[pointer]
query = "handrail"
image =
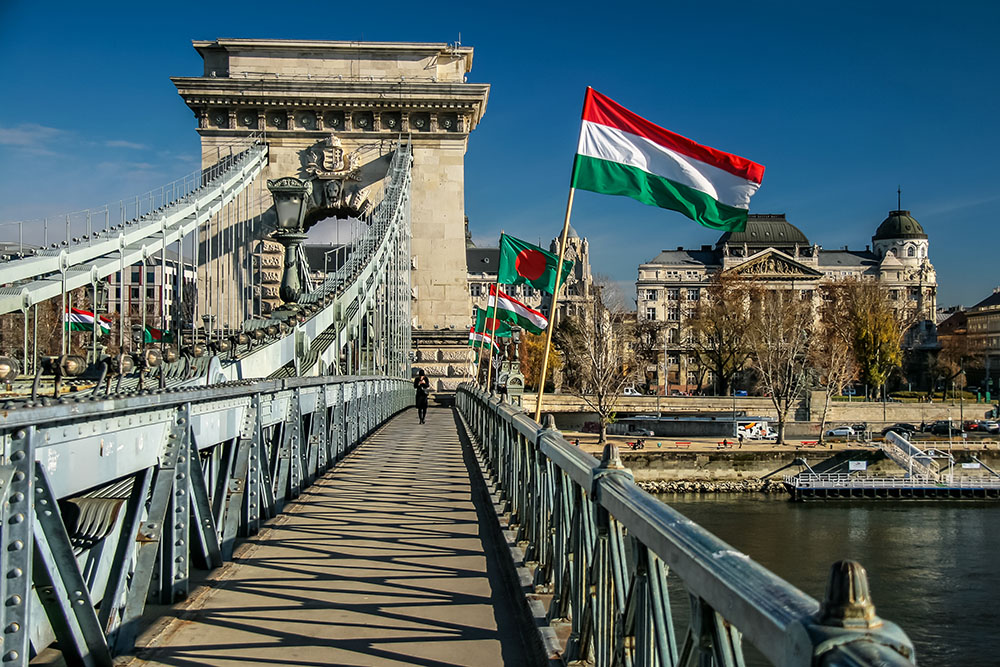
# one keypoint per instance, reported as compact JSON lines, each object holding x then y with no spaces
{"x":603,"y":549}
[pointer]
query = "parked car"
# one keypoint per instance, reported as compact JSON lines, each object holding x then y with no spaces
{"x":740,"y":392}
{"x":989,"y":426}
{"x":944,"y":427}
{"x":903,"y":429}
{"x":638,"y":432}
{"x":840,"y":432}
{"x":631,"y":391}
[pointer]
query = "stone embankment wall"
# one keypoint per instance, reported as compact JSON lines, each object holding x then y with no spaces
{"x":571,"y":412}
{"x":739,"y":470}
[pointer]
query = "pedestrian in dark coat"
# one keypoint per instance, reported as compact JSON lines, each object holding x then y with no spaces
{"x":423,"y":387}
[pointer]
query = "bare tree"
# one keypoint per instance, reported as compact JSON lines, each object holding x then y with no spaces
{"x":831,"y":355}
{"x":720,"y":329}
{"x":599,"y":354}
{"x":779,"y":333}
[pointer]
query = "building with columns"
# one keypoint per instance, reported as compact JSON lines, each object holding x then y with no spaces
{"x":773,"y":250}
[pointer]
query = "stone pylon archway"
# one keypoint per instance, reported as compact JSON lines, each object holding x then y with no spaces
{"x":366,"y":95}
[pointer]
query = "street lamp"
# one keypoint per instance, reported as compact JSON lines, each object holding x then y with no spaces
{"x":290,"y":204}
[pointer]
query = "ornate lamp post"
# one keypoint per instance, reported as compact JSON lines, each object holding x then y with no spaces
{"x":290,"y":203}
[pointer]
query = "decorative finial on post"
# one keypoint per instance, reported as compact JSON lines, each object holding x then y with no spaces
{"x":610,"y":457}
{"x":550,"y":422}
{"x":848,"y":602}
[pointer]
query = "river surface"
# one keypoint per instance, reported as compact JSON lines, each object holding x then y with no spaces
{"x":934,"y":568}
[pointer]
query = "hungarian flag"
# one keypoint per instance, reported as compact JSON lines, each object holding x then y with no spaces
{"x":75,"y":319}
{"x":480,"y":339}
{"x":157,"y":336}
{"x":510,"y":309}
{"x":621,"y":153}
{"x":522,"y":262}
{"x":492,"y":326}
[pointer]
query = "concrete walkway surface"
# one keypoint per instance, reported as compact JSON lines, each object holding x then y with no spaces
{"x":383,"y":561}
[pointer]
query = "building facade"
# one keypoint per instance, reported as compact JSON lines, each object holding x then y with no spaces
{"x":983,"y":331}
{"x":776,"y":252}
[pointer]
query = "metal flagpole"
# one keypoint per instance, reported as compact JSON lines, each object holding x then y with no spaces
{"x":479,"y":357}
{"x":493,"y":333}
{"x":553,"y":312}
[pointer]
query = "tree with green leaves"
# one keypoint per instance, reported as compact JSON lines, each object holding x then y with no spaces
{"x":877,"y":330}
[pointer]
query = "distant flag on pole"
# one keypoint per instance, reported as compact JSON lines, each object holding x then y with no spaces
{"x":622,"y":153}
{"x":479,"y":339}
{"x":153,"y":335}
{"x":522,"y":262}
{"x":83,"y":320}
{"x":511,"y":310}
{"x":492,"y":326}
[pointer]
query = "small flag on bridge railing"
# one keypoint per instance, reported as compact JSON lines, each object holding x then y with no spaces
{"x":76,"y":319}
{"x":153,"y":335}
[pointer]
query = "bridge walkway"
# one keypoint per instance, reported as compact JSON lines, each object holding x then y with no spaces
{"x":384,"y":561}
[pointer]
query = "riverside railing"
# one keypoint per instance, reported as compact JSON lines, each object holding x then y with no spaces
{"x":602,"y":549}
{"x":109,"y":502}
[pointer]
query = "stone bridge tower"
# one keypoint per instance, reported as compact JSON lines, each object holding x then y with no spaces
{"x":365,"y":93}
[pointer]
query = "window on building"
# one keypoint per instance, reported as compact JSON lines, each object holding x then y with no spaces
{"x":673,"y":314}
{"x":136,"y":274}
{"x":689,"y":336}
{"x":651,"y":295}
{"x":692,"y":377}
{"x":806,"y":295}
{"x":672,"y":359}
{"x":911,"y":251}
{"x":651,"y":313}
{"x":673,"y":294}
{"x":693,"y":294}
{"x":134,"y":293}
{"x":894,"y":294}
{"x":476,"y":289}
{"x":150,"y":276}
{"x":150,"y":292}
{"x":673,"y":335}
{"x":914,"y":293}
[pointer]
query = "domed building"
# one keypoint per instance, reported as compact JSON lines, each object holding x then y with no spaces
{"x":773,"y":250}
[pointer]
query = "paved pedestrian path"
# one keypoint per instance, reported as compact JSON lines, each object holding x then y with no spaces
{"x":381,"y":562}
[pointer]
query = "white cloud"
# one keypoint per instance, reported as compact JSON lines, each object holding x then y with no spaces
{"x":121,"y":143}
{"x":29,"y":137}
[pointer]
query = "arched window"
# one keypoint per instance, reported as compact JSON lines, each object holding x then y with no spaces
{"x":911,"y":251}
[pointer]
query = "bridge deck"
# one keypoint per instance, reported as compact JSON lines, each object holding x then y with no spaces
{"x":381,"y":562}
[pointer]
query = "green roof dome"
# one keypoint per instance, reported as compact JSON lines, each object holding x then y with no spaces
{"x":899,"y":225}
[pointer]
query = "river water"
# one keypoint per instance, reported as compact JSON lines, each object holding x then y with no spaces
{"x":934,"y":568}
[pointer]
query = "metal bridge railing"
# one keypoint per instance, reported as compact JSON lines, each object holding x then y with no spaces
{"x":602,"y":549}
{"x":108,"y":503}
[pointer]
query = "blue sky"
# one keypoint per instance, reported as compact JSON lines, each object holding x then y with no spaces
{"x":841,"y":102}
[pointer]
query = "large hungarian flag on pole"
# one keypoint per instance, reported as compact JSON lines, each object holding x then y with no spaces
{"x":522,"y":262}
{"x":621,"y":153}
{"x":83,"y":320}
{"x":511,"y":310}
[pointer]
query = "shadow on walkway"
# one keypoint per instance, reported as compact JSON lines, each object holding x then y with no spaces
{"x":384,"y":561}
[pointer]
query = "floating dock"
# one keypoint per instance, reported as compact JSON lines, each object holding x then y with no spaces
{"x":843,"y":486}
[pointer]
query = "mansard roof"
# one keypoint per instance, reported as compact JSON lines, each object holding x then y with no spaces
{"x":847,"y":258}
{"x":686,"y":257}
{"x":482,"y":260}
{"x":764,"y":230}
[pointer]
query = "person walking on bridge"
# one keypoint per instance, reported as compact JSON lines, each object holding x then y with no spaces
{"x":423,"y":387}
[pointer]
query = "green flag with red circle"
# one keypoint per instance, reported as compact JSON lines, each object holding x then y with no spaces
{"x":522,"y":262}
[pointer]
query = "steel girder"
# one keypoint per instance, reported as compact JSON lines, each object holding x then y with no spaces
{"x":184,"y":475}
